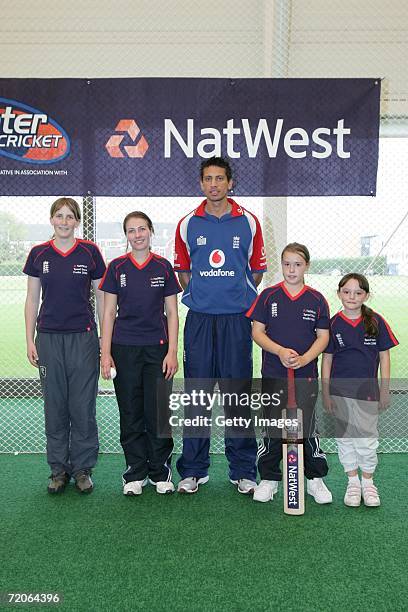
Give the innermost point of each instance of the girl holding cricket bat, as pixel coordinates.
(360, 340)
(291, 325)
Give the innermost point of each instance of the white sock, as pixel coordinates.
(354, 480)
(366, 481)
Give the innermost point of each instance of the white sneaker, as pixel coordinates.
(370, 496)
(190, 484)
(164, 487)
(135, 487)
(265, 491)
(244, 485)
(317, 489)
(352, 497)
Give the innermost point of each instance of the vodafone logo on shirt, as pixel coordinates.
(217, 260)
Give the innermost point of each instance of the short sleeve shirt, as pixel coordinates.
(290, 321)
(65, 282)
(356, 355)
(141, 291)
(221, 254)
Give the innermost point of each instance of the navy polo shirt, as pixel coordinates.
(141, 290)
(221, 254)
(356, 356)
(290, 321)
(65, 282)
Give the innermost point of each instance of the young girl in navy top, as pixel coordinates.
(291, 324)
(360, 340)
(140, 342)
(66, 348)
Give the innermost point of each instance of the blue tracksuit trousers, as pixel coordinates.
(219, 347)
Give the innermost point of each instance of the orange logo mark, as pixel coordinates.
(130, 127)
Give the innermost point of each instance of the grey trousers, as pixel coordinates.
(69, 371)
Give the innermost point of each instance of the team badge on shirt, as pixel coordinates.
(340, 340)
(235, 242)
(122, 279)
(274, 309)
(201, 241)
(46, 267)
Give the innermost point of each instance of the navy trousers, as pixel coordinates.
(219, 347)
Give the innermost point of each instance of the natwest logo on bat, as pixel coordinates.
(217, 260)
(30, 135)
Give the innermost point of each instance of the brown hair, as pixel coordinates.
(140, 215)
(370, 322)
(300, 249)
(72, 205)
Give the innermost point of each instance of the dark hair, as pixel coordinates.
(220, 162)
(300, 249)
(140, 215)
(72, 205)
(370, 322)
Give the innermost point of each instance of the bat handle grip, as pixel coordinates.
(291, 389)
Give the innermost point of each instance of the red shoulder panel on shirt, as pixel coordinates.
(393, 338)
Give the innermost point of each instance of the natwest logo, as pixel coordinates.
(292, 457)
(30, 135)
(242, 137)
(217, 260)
(129, 127)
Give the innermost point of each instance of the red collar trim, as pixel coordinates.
(200, 211)
(236, 210)
(293, 297)
(65, 253)
(352, 322)
(140, 266)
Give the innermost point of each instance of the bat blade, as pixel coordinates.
(292, 451)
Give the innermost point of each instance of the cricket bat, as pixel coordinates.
(292, 451)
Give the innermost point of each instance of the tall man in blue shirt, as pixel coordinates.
(220, 259)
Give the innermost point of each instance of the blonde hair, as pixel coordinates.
(300, 249)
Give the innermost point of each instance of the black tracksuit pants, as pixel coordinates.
(145, 434)
(270, 446)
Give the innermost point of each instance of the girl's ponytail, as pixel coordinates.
(370, 322)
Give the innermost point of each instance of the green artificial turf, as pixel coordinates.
(217, 550)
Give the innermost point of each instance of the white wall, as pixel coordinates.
(219, 38)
